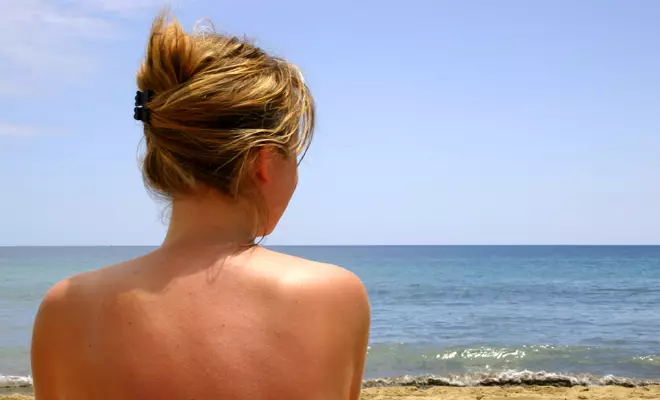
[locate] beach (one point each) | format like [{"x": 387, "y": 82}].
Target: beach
[
  {"x": 513, "y": 393},
  {"x": 492, "y": 393}
]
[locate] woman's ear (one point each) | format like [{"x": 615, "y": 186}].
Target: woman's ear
[{"x": 262, "y": 167}]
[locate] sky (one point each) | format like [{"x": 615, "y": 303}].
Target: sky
[{"x": 439, "y": 122}]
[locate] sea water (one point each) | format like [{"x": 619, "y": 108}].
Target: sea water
[{"x": 470, "y": 311}]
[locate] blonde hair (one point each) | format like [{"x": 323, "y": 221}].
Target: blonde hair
[{"x": 216, "y": 100}]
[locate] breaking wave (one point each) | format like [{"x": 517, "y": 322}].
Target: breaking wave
[
  {"x": 506, "y": 378},
  {"x": 510, "y": 378},
  {"x": 15, "y": 381}
]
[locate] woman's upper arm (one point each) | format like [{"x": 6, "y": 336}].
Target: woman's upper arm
[
  {"x": 49, "y": 341},
  {"x": 341, "y": 314},
  {"x": 362, "y": 319}
]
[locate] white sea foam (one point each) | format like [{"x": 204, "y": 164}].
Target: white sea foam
[
  {"x": 483, "y": 353},
  {"x": 15, "y": 381},
  {"x": 510, "y": 378},
  {"x": 506, "y": 378}
]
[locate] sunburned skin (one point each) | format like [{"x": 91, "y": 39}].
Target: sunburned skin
[{"x": 198, "y": 324}]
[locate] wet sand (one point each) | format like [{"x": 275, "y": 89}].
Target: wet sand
[
  {"x": 492, "y": 393},
  {"x": 513, "y": 393}
]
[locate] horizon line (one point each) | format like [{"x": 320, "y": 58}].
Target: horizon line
[{"x": 374, "y": 245}]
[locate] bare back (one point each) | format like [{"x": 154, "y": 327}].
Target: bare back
[{"x": 200, "y": 324}]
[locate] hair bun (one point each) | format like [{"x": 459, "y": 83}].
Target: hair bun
[{"x": 217, "y": 99}]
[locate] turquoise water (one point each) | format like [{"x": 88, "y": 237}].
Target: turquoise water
[{"x": 443, "y": 310}]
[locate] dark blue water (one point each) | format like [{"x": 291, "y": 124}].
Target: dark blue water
[{"x": 442, "y": 310}]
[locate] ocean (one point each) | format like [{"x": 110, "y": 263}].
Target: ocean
[{"x": 459, "y": 312}]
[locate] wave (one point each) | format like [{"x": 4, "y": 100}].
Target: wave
[
  {"x": 510, "y": 378},
  {"x": 418, "y": 359},
  {"x": 506, "y": 378},
  {"x": 15, "y": 381}
]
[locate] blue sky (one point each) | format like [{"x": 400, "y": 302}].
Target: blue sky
[{"x": 440, "y": 122}]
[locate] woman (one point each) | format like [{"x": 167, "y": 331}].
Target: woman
[{"x": 210, "y": 315}]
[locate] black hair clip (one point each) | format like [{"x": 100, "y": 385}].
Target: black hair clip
[{"x": 141, "y": 112}]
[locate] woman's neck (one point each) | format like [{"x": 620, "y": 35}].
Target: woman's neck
[{"x": 210, "y": 218}]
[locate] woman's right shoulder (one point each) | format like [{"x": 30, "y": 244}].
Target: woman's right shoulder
[
  {"x": 329, "y": 307},
  {"x": 319, "y": 284},
  {"x": 295, "y": 272}
]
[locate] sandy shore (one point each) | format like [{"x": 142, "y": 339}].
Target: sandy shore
[
  {"x": 513, "y": 393},
  {"x": 493, "y": 393}
]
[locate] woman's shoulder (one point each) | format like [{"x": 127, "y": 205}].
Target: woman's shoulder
[
  {"x": 82, "y": 286},
  {"x": 316, "y": 285},
  {"x": 296, "y": 272},
  {"x": 72, "y": 300},
  {"x": 73, "y": 291},
  {"x": 329, "y": 308},
  {"x": 63, "y": 314}
]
